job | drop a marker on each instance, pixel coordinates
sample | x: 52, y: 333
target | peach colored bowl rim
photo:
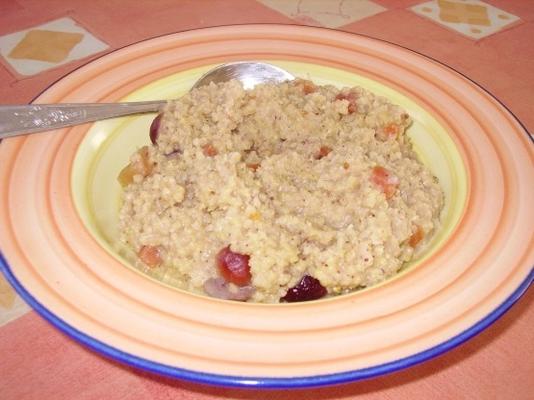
x: 496, y: 289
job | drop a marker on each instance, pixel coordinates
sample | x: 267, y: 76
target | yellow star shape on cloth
x: 45, y: 45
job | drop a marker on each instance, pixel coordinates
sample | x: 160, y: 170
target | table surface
x: 490, y: 42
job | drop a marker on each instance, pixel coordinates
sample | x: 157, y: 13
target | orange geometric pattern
x: 41, y: 47
x: 45, y: 45
x: 455, y: 12
x: 475, y: 19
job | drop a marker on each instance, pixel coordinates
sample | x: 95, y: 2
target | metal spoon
x: 24, y: 119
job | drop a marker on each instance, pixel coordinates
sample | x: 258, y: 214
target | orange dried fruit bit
x: 255, y: 216
x: 141, y: 165
x: 209, y: 151
x: 253, y: 166
x: 390, y: 190
x: 416, y: 237
x: 387, y: 182
x: 323, y: 152
x: 126, y: 176
x: 307, y: 86
x: 392, y: 129
x: 388, y: 131
x: 150, y: 255
x: 351, y: 97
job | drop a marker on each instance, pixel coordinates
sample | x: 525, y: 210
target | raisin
x: 154, y: 129
x: 307, y: 289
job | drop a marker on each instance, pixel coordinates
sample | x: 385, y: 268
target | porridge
x: 286, y: 192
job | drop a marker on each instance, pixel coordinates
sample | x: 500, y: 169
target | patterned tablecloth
x: 489, y: 41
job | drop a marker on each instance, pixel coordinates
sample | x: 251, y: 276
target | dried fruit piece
x: 255, y: 216
x: 308, y: 87
x: 154, y: 129
x: 174, y: 153
x: 150, y: 255
x: 307, y: 289
x: 392, y: 129
x: 141, y: 165
x: 388, y: 131
x: 126, y: 176
x: 253, y: 166
x: 416, y: 237
x: 346, y: 165
x: 351, y: 97
x: 209, y: 151
x: 234, y: 267
x: 383, y: 178
x: 219, y: 288
x: 323, y: 152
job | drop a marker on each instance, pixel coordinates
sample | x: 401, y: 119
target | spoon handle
x: 23, y: 119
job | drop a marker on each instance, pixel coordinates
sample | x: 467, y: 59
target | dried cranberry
x: 234, y: 267
x: 307, y: 289
x: 154, y: 129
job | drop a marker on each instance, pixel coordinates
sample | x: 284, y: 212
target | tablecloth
x: 489, y: 41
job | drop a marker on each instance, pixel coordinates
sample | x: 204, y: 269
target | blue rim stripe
x: 261, y: 382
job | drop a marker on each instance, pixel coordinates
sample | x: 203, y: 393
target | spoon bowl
x: 18, y: 120
x: 248, y: 73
